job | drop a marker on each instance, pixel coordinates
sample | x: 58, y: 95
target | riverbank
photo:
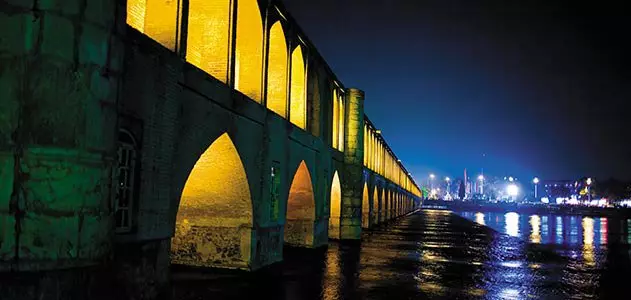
x: 529, y: 208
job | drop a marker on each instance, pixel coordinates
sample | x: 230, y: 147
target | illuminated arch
x: 300, y: 209
x: 336, y: 207
x: 365, y: 207
x: 386, y: 205
x: 157, y: 19
x: 374, y: 210
x: 381, y: 209
x: 248, y: 68
x: 208, y: 38
x: 277, y: 71
x: 214, y: 219
x: 298, y: 102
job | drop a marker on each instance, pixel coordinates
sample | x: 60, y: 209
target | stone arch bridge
x: 139, y: 133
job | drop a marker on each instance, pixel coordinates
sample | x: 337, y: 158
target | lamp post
x: 536, y: 182
x: 431, y: 181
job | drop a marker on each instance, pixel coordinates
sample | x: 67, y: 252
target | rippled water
x: 441, y: 255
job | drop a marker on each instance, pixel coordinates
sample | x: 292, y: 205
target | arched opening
x: 157, y: 19
x: 214, y: 220
x: 365, y: 207
x: 298, y: 103
x: 374, y: 216
x: 248, y: 68
x: 386, y: 205
x: 313, y: 101
x: 208, y: 38
x: 335, y: 208
x: 300, y: 209
x: 277, y: 71
x: 380, y: 209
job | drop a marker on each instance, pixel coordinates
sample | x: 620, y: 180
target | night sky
x: 523, y: 88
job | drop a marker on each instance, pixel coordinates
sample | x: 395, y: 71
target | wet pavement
x: 432, y: 255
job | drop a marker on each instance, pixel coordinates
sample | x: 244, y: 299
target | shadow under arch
x: 335, y: 213
x: 300, y: 215
x: 213, y: 226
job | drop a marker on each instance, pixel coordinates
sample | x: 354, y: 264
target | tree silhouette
x: 461, y: 192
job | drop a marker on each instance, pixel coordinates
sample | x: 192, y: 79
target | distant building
x: 559, y: 188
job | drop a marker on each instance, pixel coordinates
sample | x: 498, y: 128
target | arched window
x: 298, y: 108
x: 208, y: 37
x: 248, y: 68
x: 158, y: 19
x: 277, y: 71
x: 126, y: 180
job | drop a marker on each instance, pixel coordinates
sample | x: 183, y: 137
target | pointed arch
x: 298, y: 103
x: 300, y: 209
x: 365, y: 207
x: 208, y: 38
x: 214, y: 219
x: 335, y: 207
x: 381, y: 210
x: 374, y: 215
x: 248, y: 69
x: 277, y: 71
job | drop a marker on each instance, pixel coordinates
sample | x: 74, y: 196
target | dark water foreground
x: 432, y: 254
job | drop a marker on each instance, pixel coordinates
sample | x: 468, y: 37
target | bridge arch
x: 277, y: 70
x: 301, y: 211
x: 208, y: 37
x: 374, y: 215
x: 365, y: 207
x: 335, y: 212
x: 248, y: 70
x: 380, y: 208
x: 214, y: 219
x: 298, y: 101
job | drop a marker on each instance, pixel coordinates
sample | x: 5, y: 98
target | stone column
x: 352, y: 185
x: 58, y: 91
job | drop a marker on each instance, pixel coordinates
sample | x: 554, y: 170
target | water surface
x: 441, y: 255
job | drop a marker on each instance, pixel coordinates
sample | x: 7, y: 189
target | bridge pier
x: 352, y: 186
x: 58, y: 128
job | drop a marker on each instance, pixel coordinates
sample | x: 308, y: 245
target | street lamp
x: 431, y: 181
x: 536, y: 182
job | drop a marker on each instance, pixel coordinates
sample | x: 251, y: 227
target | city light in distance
x: 481, y: 177
x: 535, y: 180
x: 512, y: 190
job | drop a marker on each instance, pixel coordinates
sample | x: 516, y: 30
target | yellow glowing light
x: 335, y: 208
x: 155, y: 18
x: 300, y: 209
x: 365, y: 207
x: 277, y: 71
x: 298, y: 101
x: 336, y: 119
x: 208, y: 36
x: 216, y: 196
x: 535, y: 232
x: 479, y: 218
x: 249, y: 49
x: 512, y: 223
x: 341, y: 122
x: 588, y: 241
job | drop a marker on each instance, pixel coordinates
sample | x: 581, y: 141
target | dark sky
x: 540, y: 87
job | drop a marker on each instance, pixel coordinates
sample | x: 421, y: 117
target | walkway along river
x: 438, y: 254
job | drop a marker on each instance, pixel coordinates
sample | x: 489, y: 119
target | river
x: 438, y: 254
